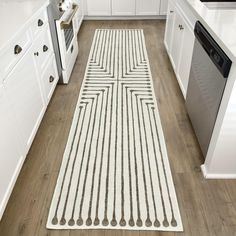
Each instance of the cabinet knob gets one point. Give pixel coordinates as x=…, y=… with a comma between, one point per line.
x=45, y=48
x=36, y=54
x=17, y=49
x=40, y=22
x=171, y=11
x=181, y=27
x=51, y=79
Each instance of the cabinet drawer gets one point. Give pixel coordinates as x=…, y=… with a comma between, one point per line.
x=43, y=48
x=13, y=53
x=39, y=23
x=50, y=78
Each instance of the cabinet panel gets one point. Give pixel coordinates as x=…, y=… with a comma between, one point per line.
x=177, y=40
x=169, y=26
x=13, y=53
x=186, y=56
x=123, y=7
x=43, y=48
x=99, y=8
x=147, y=7
x=9, y=150
x=49, y=79
x=163, y=7
x=26, y=99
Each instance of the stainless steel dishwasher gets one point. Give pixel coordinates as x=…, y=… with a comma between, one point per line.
x=208, y=76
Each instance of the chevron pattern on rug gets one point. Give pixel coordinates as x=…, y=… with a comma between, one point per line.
x=115, y=171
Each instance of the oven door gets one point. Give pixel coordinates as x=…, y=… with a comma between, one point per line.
x=67, y=38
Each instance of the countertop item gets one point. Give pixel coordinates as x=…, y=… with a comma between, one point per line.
x=14, y=16
x=221, y=24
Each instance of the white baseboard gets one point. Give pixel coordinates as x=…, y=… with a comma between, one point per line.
x=215, y=175
x=124, y=17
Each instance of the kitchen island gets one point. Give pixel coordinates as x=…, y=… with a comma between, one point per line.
x=221, y=24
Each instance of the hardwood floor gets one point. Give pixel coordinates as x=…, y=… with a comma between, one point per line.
x=208, y=207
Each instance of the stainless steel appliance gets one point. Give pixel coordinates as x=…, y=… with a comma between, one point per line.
x=208, y=76
x=64, y=27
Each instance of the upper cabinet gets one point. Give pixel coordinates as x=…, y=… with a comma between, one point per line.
x=123, y=7
x=99, y=8
x=126, y=7
x=147, y=7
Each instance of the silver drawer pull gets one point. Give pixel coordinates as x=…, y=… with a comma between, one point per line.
x=45, y=48
x=51, y=79
x=17, y=49
x=40, y=22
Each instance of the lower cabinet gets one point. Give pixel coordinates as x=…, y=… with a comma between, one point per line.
x=25, y=99
x=147, y=7
x=49, y=79
x=10, y=158
x=99, y=8
x=123, y=7
x=25, y=91
x=126, y=7
x=163, y=7
x=184, y=66
x=179, y=42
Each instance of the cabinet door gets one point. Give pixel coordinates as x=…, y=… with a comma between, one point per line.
x=123, y=7
x=147, y=7
x=169, y=26
x=26, y=99
x=163, y=7
x=99, y=8
x=10, y=157
x=186, y=56
x=176, y=41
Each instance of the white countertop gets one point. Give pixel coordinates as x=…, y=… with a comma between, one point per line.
x=221, y=24
x=14, y=15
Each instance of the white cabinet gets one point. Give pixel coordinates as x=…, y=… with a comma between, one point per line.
x=147, y=7
x=179, y=41
x=29, y=76
x=126, y=7
x=9, y=150
x=25, y=98
x=43, y=48
x=185, y=56
x=163, y=7
x=169, y=26
x=123, y=7
x=99, y=8
x=177, y=37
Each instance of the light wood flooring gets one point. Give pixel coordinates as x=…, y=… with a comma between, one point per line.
x=208, y=207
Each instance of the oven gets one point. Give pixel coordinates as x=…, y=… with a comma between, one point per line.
x=63, y=25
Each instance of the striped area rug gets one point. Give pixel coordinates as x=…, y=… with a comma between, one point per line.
x=115, y=172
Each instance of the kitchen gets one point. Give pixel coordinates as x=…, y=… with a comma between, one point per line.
x=39, y=113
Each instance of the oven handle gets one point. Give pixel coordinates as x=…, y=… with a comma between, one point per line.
x=66, y=24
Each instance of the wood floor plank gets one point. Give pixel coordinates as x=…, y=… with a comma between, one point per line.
x=208, y=207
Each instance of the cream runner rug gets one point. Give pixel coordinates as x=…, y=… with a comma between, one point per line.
x=115, y=172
